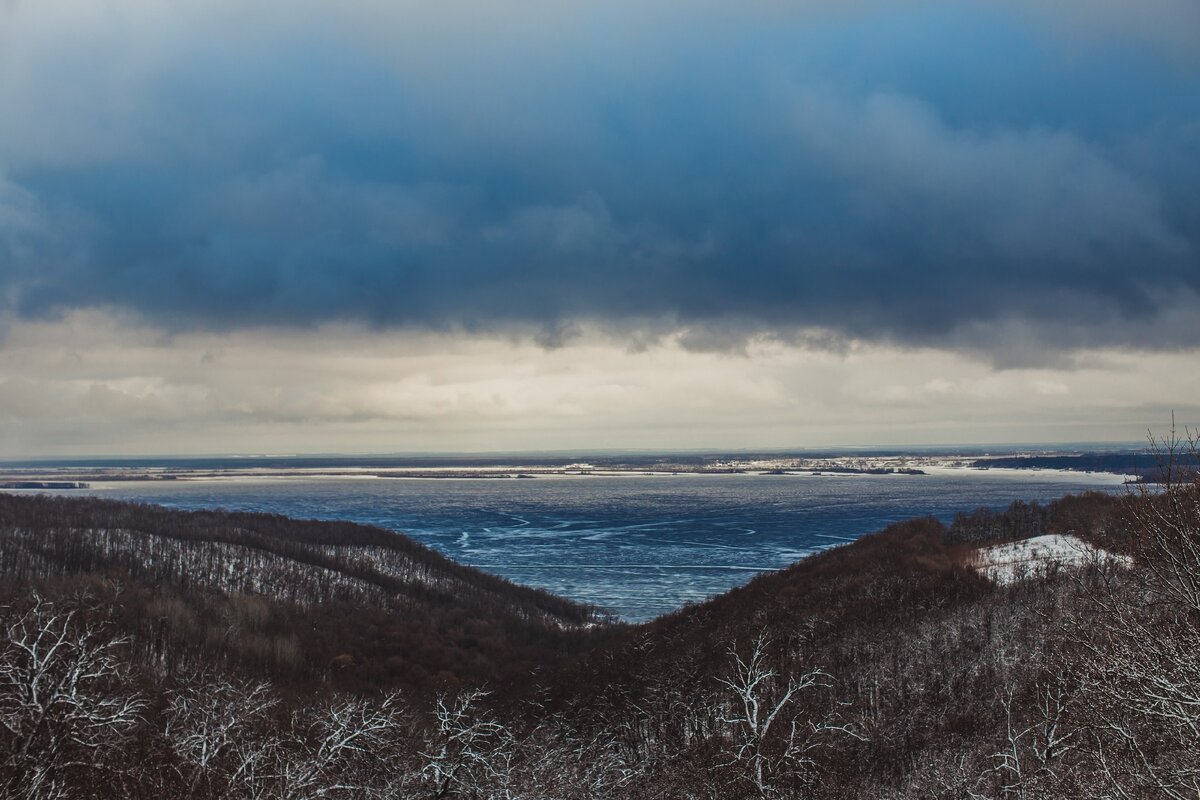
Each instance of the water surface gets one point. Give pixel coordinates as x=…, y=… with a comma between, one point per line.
x=638, y=545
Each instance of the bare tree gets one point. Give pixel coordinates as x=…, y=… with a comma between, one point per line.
x=349, y=750
x=1144, y=646
x=554, y=761
x=1031, y=763
x=221, y=730
x=62, y=705
x=469, y=753
x=767, y=738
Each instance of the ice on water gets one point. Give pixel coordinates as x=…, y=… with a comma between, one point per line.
x=640, y=546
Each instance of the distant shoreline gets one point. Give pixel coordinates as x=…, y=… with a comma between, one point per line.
x=1130, y=465
x=90, y=479
x=43, y=485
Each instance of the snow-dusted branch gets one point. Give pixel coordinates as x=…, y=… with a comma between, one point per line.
x=221, y=729
x=1143, y=647
x=469, y=751
x=61, y=699
x=345, y=752
x=761, y=699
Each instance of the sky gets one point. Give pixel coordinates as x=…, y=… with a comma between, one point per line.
x=399, y=227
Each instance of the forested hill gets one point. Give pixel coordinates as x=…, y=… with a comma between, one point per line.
x=889, y=660
x=284, y=598
x=1046, y=651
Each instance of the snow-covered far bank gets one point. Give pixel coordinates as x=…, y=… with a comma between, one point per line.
x=1100, y=478
x=1014, y=561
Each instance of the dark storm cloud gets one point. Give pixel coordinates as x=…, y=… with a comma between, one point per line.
x=878, y=175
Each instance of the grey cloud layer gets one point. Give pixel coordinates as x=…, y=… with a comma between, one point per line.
x=89, y=383
x=763, y=172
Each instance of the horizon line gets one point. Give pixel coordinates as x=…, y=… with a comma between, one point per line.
x=880, y=449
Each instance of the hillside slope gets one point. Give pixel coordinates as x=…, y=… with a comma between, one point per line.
x=286, y=598
x=230, y=655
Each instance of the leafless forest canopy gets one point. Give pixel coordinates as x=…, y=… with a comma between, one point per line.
x=150, y=653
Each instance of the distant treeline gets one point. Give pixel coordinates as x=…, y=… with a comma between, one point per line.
x=42, y=485
x=836, y=470
x=1140, y=464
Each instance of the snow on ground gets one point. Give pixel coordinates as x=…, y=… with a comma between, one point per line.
x=1007, y=563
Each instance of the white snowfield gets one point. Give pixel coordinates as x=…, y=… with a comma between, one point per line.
x=1014, y=561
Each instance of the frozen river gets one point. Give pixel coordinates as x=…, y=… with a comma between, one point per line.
x=638, y=545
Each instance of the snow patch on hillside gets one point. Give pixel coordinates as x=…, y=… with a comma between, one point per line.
x=1014, y=561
